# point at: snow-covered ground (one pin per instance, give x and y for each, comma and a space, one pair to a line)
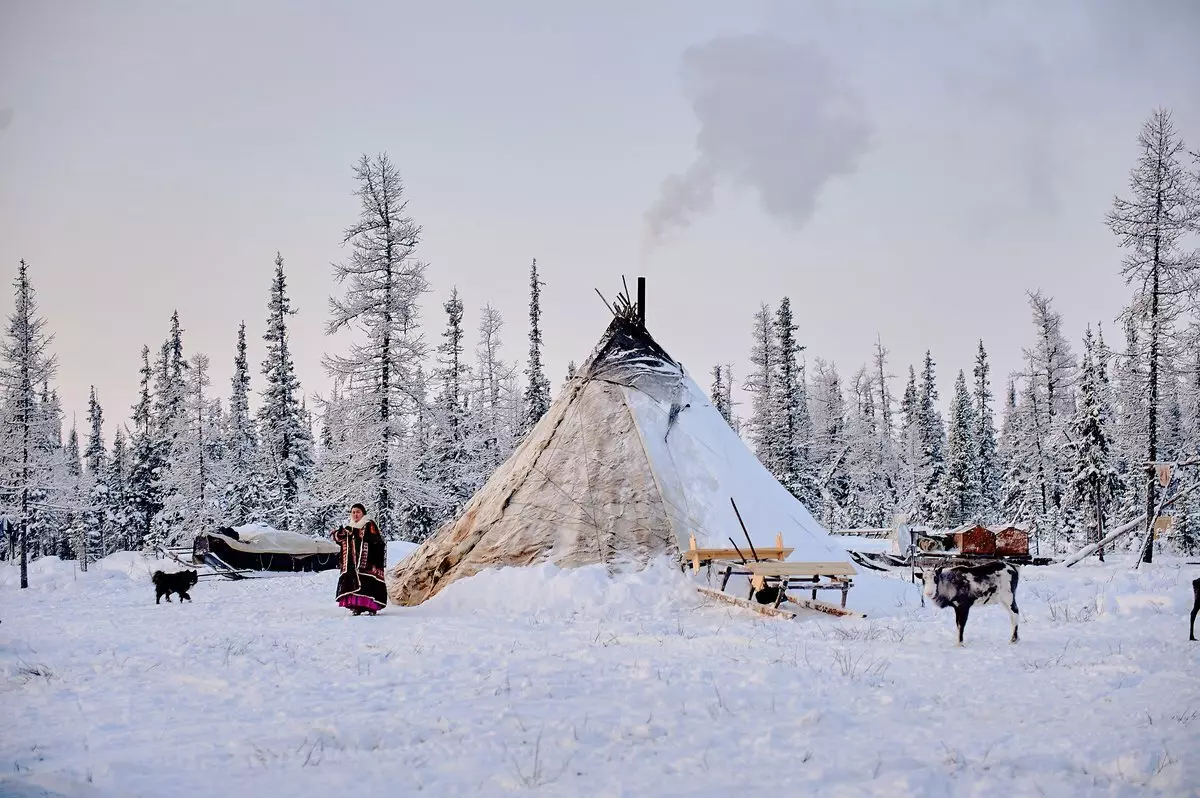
569, 683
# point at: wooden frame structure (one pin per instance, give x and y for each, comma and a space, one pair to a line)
700, 557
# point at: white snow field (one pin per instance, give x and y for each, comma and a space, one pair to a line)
553, 682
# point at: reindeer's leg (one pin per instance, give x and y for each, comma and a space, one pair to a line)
1195, 609
960, 619
1015, 616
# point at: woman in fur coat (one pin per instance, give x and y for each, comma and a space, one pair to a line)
361, 587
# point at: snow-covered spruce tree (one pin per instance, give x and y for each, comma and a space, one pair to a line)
95, 468
286, 437
932, 440
792, 420
1133, 435
960, 489
338, 479
53, 506
1094, 478
72, 499
384, 281
1151, 226
423, 503
25, 362
537, 387
143, 495
1052, 373
717, 392
456, 475
871, 499
763, 424
985, 438
909, 449
734, 422
241, 479
571, 369
118, 515
1050, 377
1014, 462
191, 500
168, 422
828, 447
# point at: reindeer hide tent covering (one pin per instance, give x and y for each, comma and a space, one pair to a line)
630, 460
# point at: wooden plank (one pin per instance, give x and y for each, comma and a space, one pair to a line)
821, 606
769, 552
763, 609
801, 568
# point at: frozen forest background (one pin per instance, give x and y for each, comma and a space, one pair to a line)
413, 421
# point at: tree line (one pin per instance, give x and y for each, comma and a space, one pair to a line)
415, 427
412, 428
1079, 433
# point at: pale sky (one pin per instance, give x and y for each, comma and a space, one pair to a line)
901, 169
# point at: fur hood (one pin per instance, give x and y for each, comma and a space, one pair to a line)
360, 523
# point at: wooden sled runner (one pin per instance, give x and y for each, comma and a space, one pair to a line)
783, 576
788, 608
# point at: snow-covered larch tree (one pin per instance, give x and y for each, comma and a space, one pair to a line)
494, 403
383, 283
1151, 225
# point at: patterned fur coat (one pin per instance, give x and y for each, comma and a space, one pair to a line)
364, 555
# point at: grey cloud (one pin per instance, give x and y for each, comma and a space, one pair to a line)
773, 118
6, 117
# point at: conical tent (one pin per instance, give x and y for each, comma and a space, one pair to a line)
629, 462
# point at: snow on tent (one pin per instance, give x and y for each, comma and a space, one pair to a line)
630, 462
258, 547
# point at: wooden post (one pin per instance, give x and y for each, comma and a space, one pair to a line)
779, 543
641, 301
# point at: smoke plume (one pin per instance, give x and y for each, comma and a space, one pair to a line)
773, 119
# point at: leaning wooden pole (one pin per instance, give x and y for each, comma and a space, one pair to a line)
641, 301
1124, 529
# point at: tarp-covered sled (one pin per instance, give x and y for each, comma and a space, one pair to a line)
258, 547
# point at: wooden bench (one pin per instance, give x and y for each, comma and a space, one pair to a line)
699, 557
791, 575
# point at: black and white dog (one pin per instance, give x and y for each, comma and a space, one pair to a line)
962, 586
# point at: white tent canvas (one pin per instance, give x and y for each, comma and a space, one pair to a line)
629, 463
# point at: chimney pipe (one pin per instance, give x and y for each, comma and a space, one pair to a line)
641, 301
